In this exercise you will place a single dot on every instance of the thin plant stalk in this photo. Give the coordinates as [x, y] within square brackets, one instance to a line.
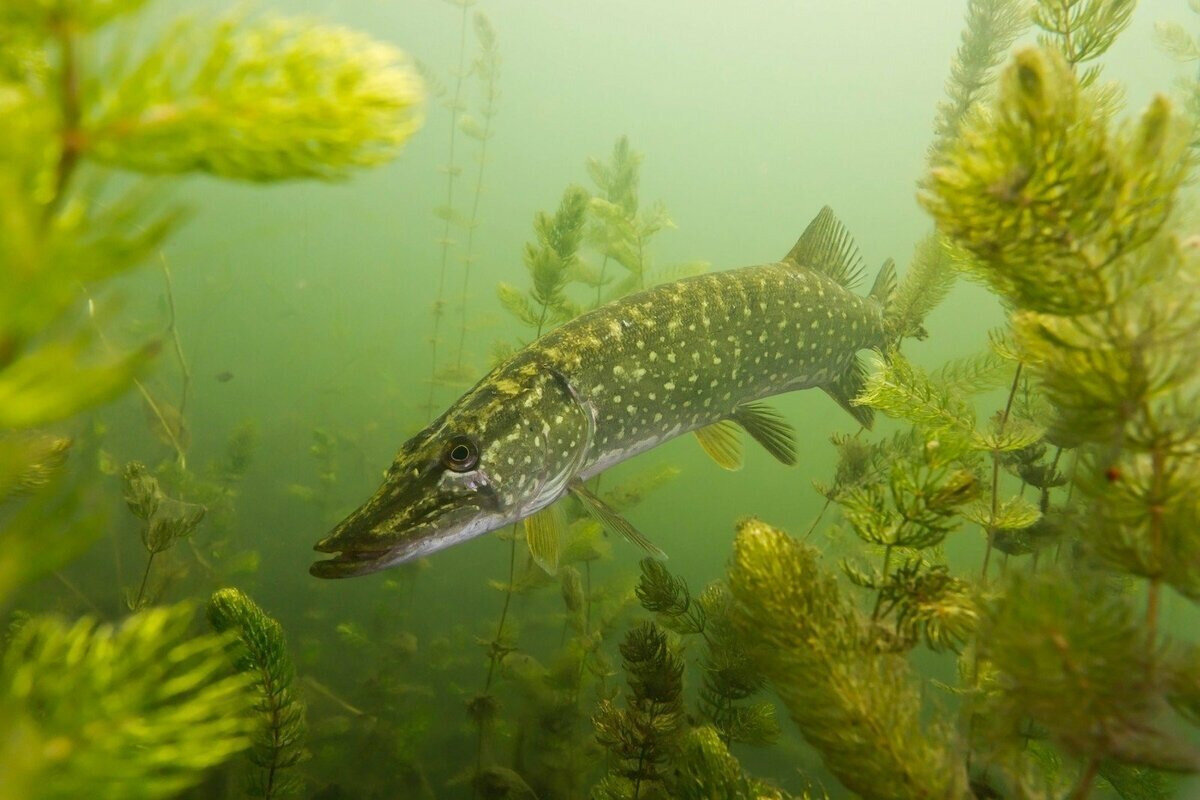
[451, 176]
[469, 257]
[991, 530]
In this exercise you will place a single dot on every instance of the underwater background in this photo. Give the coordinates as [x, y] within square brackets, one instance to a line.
[294, 321]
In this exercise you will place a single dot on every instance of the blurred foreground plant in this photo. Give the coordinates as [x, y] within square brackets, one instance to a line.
[140, 709]
[127, 712]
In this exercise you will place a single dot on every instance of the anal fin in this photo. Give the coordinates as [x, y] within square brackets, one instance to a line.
[722, 443]
[768, 427]
[849, 385]
[607, 516]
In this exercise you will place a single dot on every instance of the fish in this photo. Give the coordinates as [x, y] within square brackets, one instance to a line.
[697, 355]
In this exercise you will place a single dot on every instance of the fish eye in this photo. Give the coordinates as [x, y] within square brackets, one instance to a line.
[461, 455]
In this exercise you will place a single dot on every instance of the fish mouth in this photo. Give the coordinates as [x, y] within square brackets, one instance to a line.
[360, 549]
[351, 563]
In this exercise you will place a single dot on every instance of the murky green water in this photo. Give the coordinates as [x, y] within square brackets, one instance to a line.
[305, 313]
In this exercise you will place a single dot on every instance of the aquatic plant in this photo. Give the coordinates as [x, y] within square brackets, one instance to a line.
[136, 710]
[859, 707]
[486, 69]
[728, 675]
[640, 735]
[141, 708]
[622, 231]
[165, 520]
[551, 262]
[261, 652]
[485, 66]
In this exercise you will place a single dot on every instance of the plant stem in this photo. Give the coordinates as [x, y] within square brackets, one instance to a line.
[142, 589]
[71, 143]
[492, 659]
[887, 560]
[817, 521]
[1084, 785]
[991, 529]
[1157, 464]
[173, 328]
[469, 258]
[512, 561]
[451, 175]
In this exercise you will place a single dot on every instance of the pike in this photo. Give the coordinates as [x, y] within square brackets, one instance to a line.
[697, 355]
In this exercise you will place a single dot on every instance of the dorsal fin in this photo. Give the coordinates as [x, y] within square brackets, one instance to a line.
[826, 247]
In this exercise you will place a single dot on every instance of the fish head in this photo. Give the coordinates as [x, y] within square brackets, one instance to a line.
[505, 450]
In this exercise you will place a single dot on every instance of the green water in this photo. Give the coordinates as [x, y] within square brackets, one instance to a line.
[307, 307]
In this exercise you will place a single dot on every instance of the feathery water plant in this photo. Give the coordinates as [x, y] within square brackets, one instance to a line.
[447, 212]
[622, 230]
[860, 708]
[135, 711]
[641, 735]
[261, 653]
[274, 98]
[486, 69]
[551, 262]
[991, 28]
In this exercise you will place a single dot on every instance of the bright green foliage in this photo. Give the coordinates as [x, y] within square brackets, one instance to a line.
[622, 231]
[1082, 29]
[43, 15]
[708, 771]
[915, 508]
[131, 712]
[551, 262]
[926, 283]
[261, 653]
[29, 460]
[641, 735]
[1072, 657]
[272, 99]
[921, 600]
[900, 389]
[729, 676]
[992, 27]
[858, 707]
[1044, 199]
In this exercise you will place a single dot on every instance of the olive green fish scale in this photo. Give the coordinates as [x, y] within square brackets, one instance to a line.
[686, 354]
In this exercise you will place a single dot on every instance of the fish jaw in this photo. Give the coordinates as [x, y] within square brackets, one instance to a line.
[351, 561]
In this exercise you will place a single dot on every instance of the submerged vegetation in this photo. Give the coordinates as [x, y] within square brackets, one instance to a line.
[1067, 452]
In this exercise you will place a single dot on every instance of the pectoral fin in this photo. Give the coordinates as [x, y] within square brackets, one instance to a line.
[544, 534]
[848, 386]
[769, 428]
[611, 520]
[722, 443]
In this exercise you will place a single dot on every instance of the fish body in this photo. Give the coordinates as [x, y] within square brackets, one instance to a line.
[615, 382]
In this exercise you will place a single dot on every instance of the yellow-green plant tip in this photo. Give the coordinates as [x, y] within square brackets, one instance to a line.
[273, 99]
[136, 711]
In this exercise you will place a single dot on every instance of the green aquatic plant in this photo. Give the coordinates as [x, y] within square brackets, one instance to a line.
[641, 735]
[448, 212]
[991, 28]
[261, 652]
[486, 69]
[728, 675]
[142, 708]
[137, 710]
[165, 520]
[622, 230]
[551, 262]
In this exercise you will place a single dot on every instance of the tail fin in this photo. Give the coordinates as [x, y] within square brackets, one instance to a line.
[883, 292]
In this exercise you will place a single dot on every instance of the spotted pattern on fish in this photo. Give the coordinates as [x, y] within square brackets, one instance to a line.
[615, 382]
